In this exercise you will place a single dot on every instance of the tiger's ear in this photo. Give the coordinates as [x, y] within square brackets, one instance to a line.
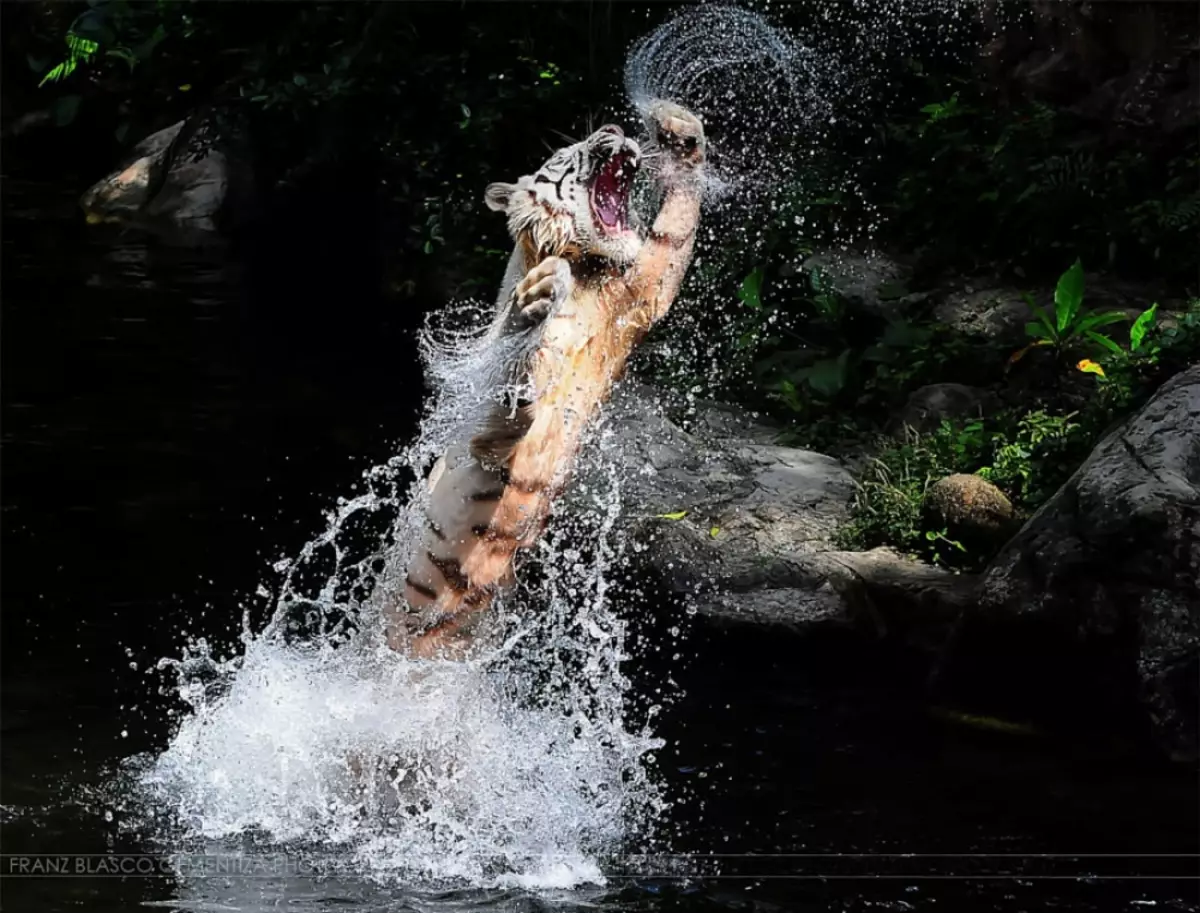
[499, 195]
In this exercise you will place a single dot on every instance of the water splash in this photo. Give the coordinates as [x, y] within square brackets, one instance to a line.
[527, 766]
[794, 98]
[756, 87]
[522, 767]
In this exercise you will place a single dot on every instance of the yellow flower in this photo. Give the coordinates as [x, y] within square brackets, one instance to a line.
[1087, 366]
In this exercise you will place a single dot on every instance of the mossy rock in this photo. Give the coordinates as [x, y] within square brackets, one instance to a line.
[972, 510]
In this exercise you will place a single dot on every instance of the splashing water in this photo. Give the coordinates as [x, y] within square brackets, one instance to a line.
[518, 768]
[522, 767]
[792, 113]
[755, 86]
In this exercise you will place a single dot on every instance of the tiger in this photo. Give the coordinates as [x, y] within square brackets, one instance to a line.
[583, 286]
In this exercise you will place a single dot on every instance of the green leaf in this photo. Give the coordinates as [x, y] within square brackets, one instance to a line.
[678, 515]
[1102, 340]
[828, 376]
[80, 46]
[1141, 326]
[1028, 192]
[1091, 321]
[751, 290]
[1042, 328]
[1043, 317]
[1068, 295]
[713, 532]
[62, 71]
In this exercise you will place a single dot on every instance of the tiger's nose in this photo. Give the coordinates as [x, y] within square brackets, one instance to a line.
[613, 129]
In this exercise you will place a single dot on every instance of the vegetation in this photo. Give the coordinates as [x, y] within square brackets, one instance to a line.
[1028, 453]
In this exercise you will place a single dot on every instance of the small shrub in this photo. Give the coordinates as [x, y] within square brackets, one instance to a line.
[1071, 327]
[1028, 456]
[887, 503]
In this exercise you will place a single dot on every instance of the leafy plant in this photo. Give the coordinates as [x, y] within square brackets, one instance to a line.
[1027, 455]
[1031, 460]
[79, 50]
[968, 182]
[887, 505]
[1155, 352]
[1070, 326]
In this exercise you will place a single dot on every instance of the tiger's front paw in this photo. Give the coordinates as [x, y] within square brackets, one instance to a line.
[542, 291]
[678, 131]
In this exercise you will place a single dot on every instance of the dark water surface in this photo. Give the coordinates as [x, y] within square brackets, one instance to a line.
[174, 420]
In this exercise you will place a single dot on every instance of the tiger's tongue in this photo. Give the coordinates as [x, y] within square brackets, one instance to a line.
[610, 194]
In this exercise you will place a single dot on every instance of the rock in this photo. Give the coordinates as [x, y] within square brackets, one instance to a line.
[1090, 616]
[870, 281]
[971, 510]
[189, 175]
[929, 406]
[126, 191]
[755, 545]
[996, 314]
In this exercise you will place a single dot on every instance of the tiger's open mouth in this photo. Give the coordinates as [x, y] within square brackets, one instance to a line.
[609, 193]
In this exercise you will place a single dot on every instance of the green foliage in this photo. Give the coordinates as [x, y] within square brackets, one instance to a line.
[1071, 326]
[969, 181]
[833, 372]
[112, 30]
[79, 49]
[1156, 351]
[887, 506]
[1027, 456]
[1033, 456]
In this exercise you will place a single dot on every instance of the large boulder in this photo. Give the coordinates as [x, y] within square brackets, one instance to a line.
[1090, 616]
[927, 407]
[190, 175]
[997, 314]
[870, 281]
[754, 543]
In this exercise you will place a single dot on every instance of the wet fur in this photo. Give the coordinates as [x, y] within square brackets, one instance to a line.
[492, 491]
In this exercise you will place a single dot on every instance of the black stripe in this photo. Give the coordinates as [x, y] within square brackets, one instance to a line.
[437, 532]
[421, 588]
[451, 570]
[494, 494]
[491, 534]
[558, 184]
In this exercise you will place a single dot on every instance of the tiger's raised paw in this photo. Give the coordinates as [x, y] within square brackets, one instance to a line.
[677, 131]
[542, 291]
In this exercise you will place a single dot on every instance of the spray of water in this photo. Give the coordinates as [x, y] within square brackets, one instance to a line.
[793, 113]
[758, 89]
[524, 766]
[521, 767]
